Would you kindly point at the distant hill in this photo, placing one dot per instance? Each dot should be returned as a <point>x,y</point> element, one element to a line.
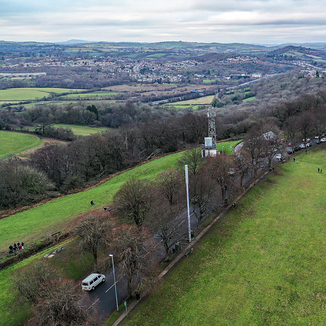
<point>299,53</point>
<point>73,42</point>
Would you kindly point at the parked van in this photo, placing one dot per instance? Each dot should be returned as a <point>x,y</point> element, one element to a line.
<point>92,281</point>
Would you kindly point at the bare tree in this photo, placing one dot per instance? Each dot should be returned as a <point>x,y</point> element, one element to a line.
<point>134,248</point>
<point>61,304</point>
<point>30,280</point>
<point>252,145</point>
<point>170,183</point>
<point>92,232</point>
<point>244,164</point>
<point>320,122</point>
<point>134,200</point>
<point>220,168</point>
<point>291,130</point>
<point>164,222</point>
<point>270,142</point>
<point>306,124</point>
<point>201,191</point>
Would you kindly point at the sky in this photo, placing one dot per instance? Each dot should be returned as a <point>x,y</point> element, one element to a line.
<point>221,21</point>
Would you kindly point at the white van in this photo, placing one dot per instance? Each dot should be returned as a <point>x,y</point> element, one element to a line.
<point>92,281</point>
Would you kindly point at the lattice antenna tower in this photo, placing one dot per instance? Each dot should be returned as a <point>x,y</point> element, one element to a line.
<point>211,124</point>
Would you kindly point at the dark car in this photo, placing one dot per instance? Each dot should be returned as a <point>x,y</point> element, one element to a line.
<point>297,148</point>
<point>289,150</point>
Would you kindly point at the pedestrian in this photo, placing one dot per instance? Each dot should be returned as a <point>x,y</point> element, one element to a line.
<point>293,159</point>
<point>318,170</point>
<point>137,295</point>
<point>92,203</point>
<point>321,170</point>
<point>23,247</point>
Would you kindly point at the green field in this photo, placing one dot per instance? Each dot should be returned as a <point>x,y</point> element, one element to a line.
<point>225,146</point>
<point>205,100</point>
<point>249,99</point>
<point>81,130</point>
<point>193,104</point>
<point>15,142</point>
<point>263,264</point>
<point>29,94</point>
<point>95,95</point>
<point>64,103</point>
<point>56,214</point>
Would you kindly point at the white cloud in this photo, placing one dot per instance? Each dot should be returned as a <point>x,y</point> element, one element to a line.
<point>152,20</point>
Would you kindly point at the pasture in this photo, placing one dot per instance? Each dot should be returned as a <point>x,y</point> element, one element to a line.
<point>262,264</point>
<point>193,104</point>
<point>15,142</point>
<point>30,94</point>
<point>81,130</point>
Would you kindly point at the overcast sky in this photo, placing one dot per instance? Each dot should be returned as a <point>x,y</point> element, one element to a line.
<point>222,21</point>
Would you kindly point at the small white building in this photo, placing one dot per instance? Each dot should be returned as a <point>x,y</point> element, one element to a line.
<point>209,149</point>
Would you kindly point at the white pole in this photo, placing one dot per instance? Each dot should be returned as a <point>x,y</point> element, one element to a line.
<point>115,283</point>
<point>188,206</point>
<point>126,308</point>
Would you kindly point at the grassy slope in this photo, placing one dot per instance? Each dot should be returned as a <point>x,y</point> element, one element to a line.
<point>11,312</point>
<point>56,214</point>
<point>81,130</point>
<point>264,264</point>
<point>51,217</point>
<point>225,146</point>
<point>14,142</point>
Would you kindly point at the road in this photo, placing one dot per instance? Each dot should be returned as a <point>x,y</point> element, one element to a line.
<point>102,299</point>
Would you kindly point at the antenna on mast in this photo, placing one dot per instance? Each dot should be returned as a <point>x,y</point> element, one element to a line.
<point>211,125</point>
<point>209,148</point>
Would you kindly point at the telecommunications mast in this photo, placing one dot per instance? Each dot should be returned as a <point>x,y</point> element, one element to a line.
<point>211,125</point>
<point>209,148</point>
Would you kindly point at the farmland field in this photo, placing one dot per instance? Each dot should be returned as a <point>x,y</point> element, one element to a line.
<point>81,130</point>
<point>262,264</point>
<point>98,94</point>
<point>194,103</point>
<point>64,103</point>
<point>14,142</point>
<point>26,94</point>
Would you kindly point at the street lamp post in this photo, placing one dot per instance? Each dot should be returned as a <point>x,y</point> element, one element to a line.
<point>115,283</point>
<point>188,206</point>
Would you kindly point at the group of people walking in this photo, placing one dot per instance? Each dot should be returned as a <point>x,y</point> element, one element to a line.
<point>16,247</point>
